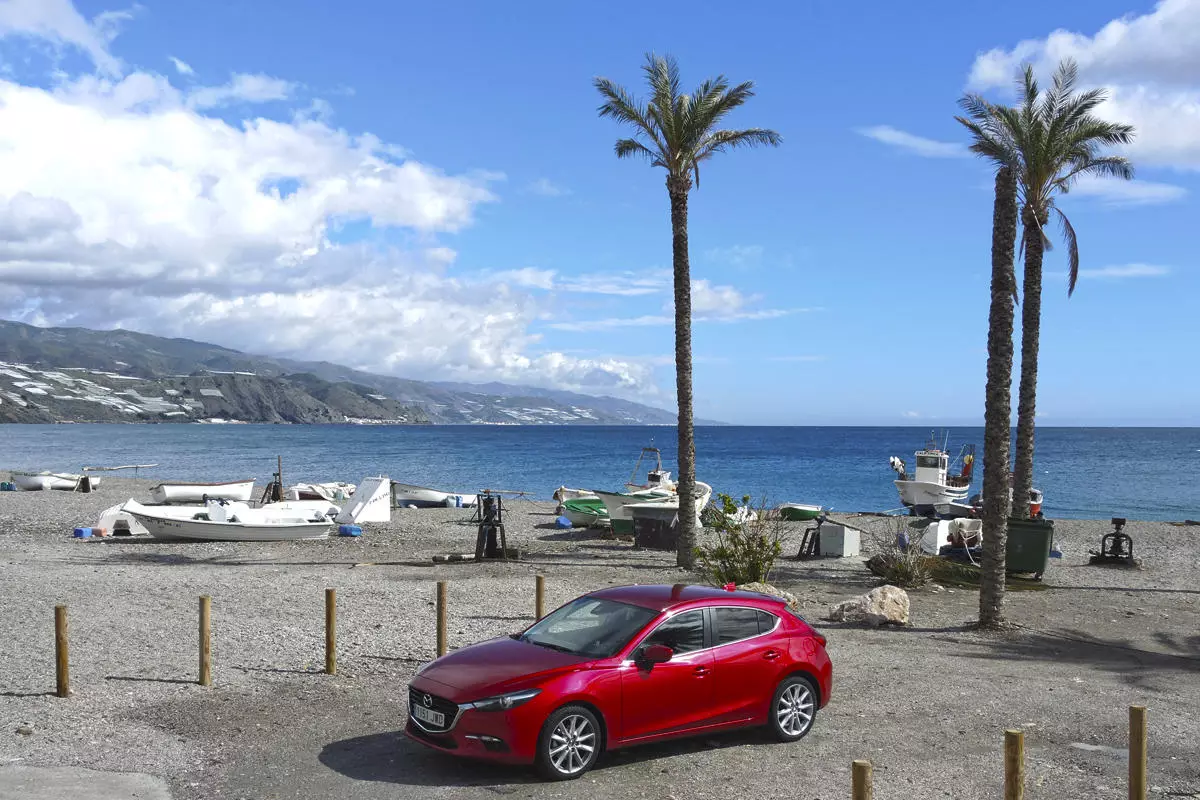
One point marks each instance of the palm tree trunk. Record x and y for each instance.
(997, 411)
(1031, 324)
(686, 553)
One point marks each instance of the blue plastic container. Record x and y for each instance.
(83, 533)
(349, 530)
(562, 522)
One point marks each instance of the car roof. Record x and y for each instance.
(662, 597)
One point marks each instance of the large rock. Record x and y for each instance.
(883, 604)
(766, 588)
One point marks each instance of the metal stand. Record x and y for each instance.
(1115, 547)
(490, 541)
(810, 543)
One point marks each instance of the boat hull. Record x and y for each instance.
(922, 497)
(162, 526)
(799, 512)
(42, 481)
(585, 512)
(406, 494)
(237, 491)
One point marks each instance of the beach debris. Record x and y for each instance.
(562, 522)
(882, 605)
(765, 588)
(25, 729)
(349, 530)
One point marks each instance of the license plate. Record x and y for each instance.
(435, 718)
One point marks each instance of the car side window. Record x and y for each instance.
(766, 622)
(683, 633)
(735, 624)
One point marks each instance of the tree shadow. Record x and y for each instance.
(140, 679)
(28, 694)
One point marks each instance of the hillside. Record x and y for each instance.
(80, 375)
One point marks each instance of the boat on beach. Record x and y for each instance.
(620, 505)
(179, 492)
(42, 481)
(224, 521)
(585, 512)
(932, 482)
(656, 478)
(407, 494)
(799, 512)
(334, 491)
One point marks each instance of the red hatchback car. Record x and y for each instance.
(620, 667)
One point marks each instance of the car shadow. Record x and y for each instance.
(390, 757)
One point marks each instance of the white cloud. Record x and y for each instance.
(738, 255)
(911, 414)
(182, 67)
(241, 88)
(583, 326)
(547, 188)
(1126, 271)
(1113, 192)
(709, 304)
(621, 284)
(58, 22)
(528, 277)
(1148, 62)
(911, 143)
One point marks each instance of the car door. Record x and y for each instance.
(673, 696)
(748, 656)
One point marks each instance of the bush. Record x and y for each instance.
(747, 542)
(900, 560)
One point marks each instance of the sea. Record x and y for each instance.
(1138, 473)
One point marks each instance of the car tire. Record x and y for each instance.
(569, 744)
(793, 708)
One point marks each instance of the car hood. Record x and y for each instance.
(480, 668)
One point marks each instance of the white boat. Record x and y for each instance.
(405, 495)
(238, 491)
(223, 521)
(653, 502)
(931, 483)
(335, 491)
(40, 481)
(562, 494)
(371, 502)
(667, 508)
(656, 478)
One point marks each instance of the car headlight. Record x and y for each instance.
(504, 702)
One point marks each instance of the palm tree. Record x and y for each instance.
(677, 132)
(1050, 140)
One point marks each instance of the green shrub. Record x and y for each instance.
(745, 551)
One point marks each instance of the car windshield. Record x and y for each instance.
(589, 627)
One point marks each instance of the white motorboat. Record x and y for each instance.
(224, 521)
(119, 521)
(667, 508)
(931, 483)
(335, 491)
(237, 491)
(620, 506)
(656, 478)
(407, 494)
(40, 481)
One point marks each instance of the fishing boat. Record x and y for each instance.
(335, 491)
(585, 512)
(562, 494)
(41, 481)
(932, 482)
(799, 512)
(236, 491)
(615, 504)
(224, 521)
(667, 508)
(656, 478)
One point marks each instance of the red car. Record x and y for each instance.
(620, 667)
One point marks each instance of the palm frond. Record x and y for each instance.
(720, 141)
(627, 148)
(1068, 233)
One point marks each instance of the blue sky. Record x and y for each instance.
(841, 278)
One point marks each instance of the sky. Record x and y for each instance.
(426, 190)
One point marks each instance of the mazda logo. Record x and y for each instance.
(427, 700)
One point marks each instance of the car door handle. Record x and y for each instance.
(770, 655)
(700, 672)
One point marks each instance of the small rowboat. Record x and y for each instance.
(584, 512)
(40, 481)
(238, 491)
(232, 522)
(799, 512)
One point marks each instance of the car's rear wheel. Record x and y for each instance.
(569, 744)
(793, 708)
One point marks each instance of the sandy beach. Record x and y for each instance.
(928, 704)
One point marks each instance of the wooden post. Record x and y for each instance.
(442, 646)
(539, 594)
(331, 631)
(1014, 765)
(280, 466)
(1137, 753)
(863, 790)
(61, 661)
(205, 641)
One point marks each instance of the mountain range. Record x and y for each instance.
(81, 375)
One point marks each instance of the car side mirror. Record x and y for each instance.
(657, 654)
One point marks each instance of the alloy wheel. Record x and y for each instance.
(795, 709)
(572, 744)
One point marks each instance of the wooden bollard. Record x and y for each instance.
(861, 776)
(1014, 765)
(442, 645)
(331, 631)
(539, 596)
(61, 659)
(205, 641)
(1137, 753)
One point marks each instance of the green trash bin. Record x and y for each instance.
(1029, 542)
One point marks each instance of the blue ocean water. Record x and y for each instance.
(1140, 473)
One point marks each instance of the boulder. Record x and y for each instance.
(883, 604)
(766, 588)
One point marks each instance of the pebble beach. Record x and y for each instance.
(1091, 642)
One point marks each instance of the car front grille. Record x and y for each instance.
(434, 703)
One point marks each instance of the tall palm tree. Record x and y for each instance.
(677, 132)
(1050, 140)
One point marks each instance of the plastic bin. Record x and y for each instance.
(1029, 542)
(349, 530)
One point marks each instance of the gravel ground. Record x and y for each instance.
(928, 704)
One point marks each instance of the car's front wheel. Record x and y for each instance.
(569, 744)
(793, 708)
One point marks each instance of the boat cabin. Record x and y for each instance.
(932, 466)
